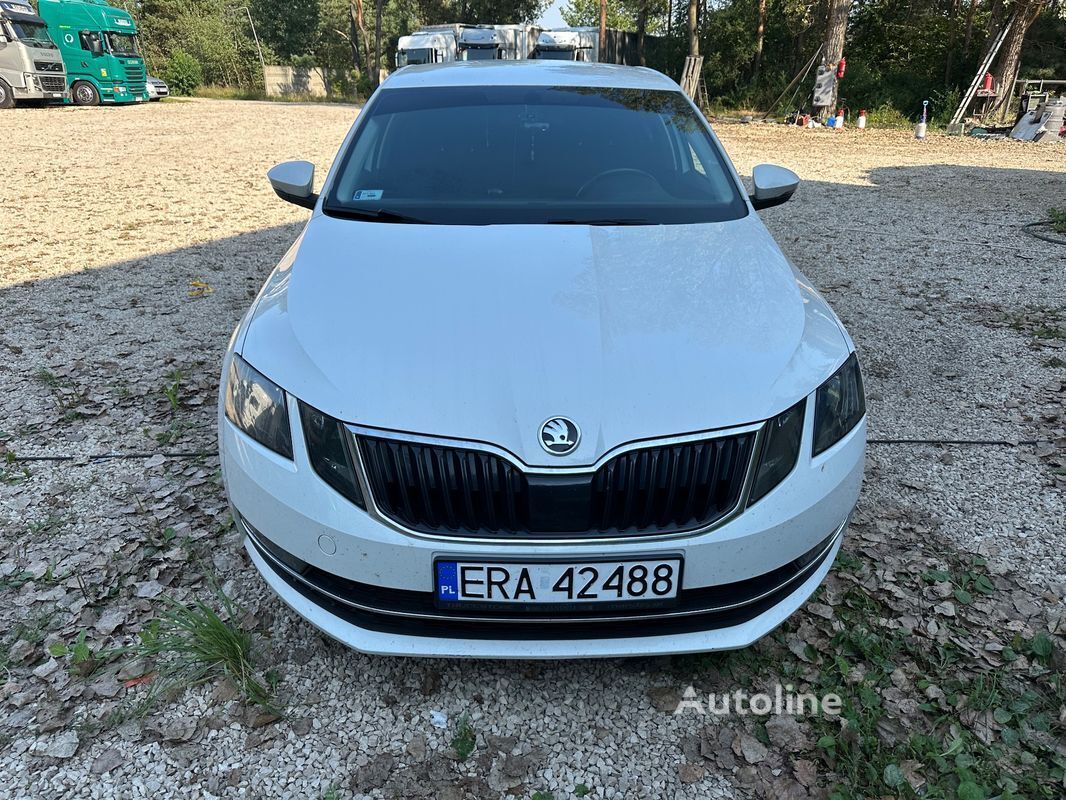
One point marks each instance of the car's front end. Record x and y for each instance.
(607, 439)
(157, 88)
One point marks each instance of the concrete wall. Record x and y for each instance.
(294, 80)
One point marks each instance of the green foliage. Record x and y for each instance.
(465, 740)
(183, 73)
(192, 644)
(1058, 219)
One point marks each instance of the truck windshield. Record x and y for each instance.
(416, 55)
(34, 34)
(122, 44)
(474, 155)
(479, 53)
(556, 55)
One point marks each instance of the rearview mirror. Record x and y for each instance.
(292, 182)
(773, 185)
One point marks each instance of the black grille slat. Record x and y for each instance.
(463, 492)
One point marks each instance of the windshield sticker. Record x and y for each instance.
(367, 194)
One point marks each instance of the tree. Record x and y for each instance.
(586, 13)
(760, 34)
(693, 28)
(836, 28)
(1025, 14)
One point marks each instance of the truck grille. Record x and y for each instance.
(48, 66)
(52, 83)
(464, 492)
(135, 78)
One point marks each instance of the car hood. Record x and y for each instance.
(483, 333)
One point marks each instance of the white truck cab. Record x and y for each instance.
(426, 47)
(31, 68)
(570, 44)
(479, 44)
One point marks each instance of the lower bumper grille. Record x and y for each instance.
(52, 83)
(414, 613)
(464, 492)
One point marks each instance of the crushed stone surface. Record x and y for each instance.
(133, 241)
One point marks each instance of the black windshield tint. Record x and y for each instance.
(556, 55)
(535, 155)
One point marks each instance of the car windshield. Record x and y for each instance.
(533, 155)
(34, 34)
(122, 44)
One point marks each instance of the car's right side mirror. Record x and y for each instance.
(773, 185)
(292, 182)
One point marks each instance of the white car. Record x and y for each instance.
(157, 88)
(535, 381)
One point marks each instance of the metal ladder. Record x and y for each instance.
(990, 56)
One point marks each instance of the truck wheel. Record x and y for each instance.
(7, 99)
(85, 94)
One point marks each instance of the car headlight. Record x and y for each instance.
(839, 405)
(780, 449)
(329, 449)
(257, 406)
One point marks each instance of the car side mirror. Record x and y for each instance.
(292, 182)
(773, 185)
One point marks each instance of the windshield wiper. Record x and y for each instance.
(624, 221)
(375, 214)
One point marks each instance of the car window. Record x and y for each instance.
(521, 155)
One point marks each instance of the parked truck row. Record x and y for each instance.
(458, 42)
(83, 52)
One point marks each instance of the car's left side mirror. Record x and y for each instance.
(773, 185)
(292, 182)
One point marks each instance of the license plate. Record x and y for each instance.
(649, 581)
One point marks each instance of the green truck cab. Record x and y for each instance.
(99, 46)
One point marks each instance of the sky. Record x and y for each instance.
(551, 18)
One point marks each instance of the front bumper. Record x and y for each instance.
(366, 583)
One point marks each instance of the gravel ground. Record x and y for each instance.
(154, 228)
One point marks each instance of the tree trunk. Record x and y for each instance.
(693, 28)
(953, 38)
(1011, 58)
(353, 31)
(642, 28)
(361, 24)
(836, 26)
(603, 30)
(377, 42)
(760, 33)
(968, 37)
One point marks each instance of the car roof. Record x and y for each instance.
(530, 72)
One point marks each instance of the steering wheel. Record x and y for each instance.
(647, 177)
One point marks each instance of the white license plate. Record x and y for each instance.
(555, 583)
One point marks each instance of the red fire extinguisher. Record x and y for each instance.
(989, 82)
(840, 67)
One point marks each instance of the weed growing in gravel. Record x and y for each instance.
(465, 740)
(1054, 363)
(65, 392)
(1058, 219)
(172, 389)
(192, 644)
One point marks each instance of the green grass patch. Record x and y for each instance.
(191, 644)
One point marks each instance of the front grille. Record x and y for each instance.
(437, 489)
(48, 66)
(51, 83)
(135, 78)
(463, 492)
